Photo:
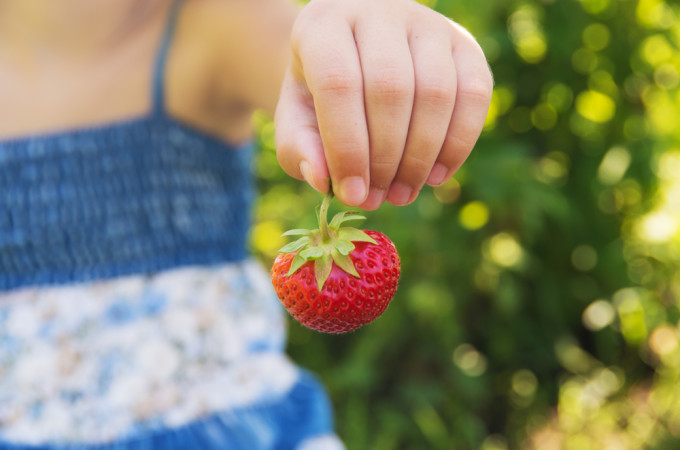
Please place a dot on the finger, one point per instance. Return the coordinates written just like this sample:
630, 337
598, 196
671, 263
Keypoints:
328, 62
388, 77
435, 94
473, 96
298, 144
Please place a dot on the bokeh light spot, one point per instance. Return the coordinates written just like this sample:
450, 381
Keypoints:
596, 36
447, 192
657, 227
656, 50
602, 81
494, 442
598, 315
544, 116
505, 97
504, 250
474, 215
572, 357
655, 14
526, 34
553, 168
667, 166
560, 96
663, 340
469, 360
524, 383
631, 315
266, 237
613, 166
594, 6
595, 106
666, 76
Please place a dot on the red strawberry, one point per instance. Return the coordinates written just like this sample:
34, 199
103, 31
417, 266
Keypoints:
336, 279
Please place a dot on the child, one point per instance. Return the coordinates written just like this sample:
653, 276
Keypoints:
130, 314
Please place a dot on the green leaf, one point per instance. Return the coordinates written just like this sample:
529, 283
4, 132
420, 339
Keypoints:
295, 245
297, 232
311, 253
354, 235
353, 216
344, 247
297, 262
345, 263
322, 269
344, 216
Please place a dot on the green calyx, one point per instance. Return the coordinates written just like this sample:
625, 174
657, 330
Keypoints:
330, 243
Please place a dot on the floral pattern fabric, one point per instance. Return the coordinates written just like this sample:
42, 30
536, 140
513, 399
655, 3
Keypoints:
105, 360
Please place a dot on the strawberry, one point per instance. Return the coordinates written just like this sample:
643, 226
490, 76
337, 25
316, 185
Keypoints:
336, 279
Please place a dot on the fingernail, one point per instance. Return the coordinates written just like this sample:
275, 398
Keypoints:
437, 175
399, 194
304, 170
353, 190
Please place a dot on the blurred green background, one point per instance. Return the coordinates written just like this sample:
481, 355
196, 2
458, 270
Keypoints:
539, 300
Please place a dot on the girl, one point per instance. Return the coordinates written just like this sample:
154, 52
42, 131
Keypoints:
130, 312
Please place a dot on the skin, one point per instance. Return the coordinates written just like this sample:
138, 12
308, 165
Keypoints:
380, 96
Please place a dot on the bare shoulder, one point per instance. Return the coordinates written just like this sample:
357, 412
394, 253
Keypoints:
227, 59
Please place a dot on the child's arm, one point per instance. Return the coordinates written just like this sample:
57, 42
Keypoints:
382, 96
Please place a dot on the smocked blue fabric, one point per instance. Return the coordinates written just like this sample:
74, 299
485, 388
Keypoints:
136, 196
283, 424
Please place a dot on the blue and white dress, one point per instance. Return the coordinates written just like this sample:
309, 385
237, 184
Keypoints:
131, 315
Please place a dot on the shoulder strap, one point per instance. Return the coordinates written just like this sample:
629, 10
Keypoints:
158, 87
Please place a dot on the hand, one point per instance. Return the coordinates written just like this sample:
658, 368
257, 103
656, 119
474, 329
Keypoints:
382, 97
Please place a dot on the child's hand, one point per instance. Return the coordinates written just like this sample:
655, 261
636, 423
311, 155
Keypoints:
381, 96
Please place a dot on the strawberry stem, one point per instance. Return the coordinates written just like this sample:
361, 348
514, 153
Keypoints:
323, 213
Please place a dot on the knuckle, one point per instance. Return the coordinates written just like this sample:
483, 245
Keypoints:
428, 143
384, 161
339, 82
440, 93
389, 84
346, 149
416, 165
382, 172
462, 141
479, 91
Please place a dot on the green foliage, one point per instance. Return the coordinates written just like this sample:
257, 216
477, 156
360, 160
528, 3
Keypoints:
538, 306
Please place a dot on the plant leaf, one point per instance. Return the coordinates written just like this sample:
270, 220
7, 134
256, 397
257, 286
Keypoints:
344, 216
295, 245
297, 262
322, 269
337, 219
297, 232
311, 253
353, 216
354, 235
345, 263
344, 247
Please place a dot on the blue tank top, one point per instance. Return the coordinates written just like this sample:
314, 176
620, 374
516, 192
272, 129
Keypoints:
129, 197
